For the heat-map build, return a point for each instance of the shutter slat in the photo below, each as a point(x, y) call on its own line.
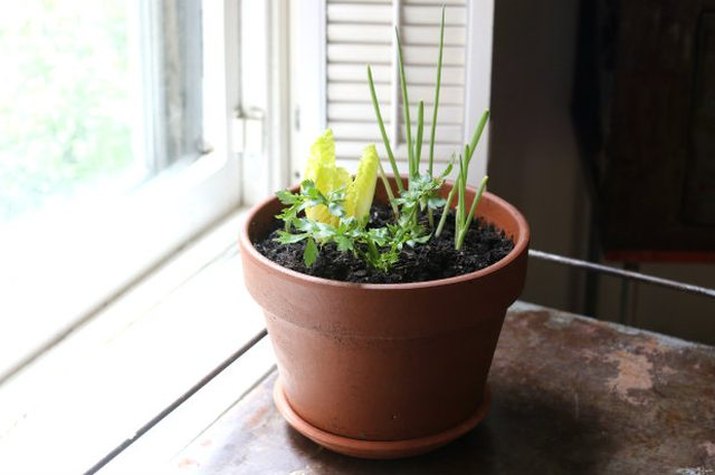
point(427, 55)
point(427, 75)
point(354, 111)
point(360, 92)
point(352, 150)
point(428, 15)
point(378, 54)
point(447, 95)
point(367, 131)
point(360, 33)
point(445, 133)
point(429, 35)
point(446, 115)
point(442, 152)
point(345, 72)
point(337, 2)
point(356, 12)
point(434, 3)
point(417, 75)
point(383, 34)
point(358, 53)
point(352, 92)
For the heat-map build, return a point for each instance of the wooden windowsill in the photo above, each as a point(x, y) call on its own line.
point(84, 396)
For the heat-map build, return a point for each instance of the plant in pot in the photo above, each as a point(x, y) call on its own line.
point(384, 299)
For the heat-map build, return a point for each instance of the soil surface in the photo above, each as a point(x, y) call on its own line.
point(484, 245)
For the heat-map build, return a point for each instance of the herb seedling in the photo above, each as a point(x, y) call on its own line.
point(333, 208)
point(463, 214)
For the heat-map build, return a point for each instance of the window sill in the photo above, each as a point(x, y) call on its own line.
point(133, 359)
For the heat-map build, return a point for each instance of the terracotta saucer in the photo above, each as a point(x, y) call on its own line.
point(377, 449)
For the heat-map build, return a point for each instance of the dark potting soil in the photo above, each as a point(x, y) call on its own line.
point(437, 259)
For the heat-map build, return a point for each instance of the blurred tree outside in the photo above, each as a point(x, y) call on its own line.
point(65, 99)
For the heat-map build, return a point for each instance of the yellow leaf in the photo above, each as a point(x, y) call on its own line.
point(322, 170)
point(361, 191)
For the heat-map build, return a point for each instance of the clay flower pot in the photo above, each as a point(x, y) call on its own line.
point(384, 370)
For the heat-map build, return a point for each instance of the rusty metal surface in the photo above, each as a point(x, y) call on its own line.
point(571, 395)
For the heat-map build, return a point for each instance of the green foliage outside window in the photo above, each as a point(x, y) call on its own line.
point(65, 105)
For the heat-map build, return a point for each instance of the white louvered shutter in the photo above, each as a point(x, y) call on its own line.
point(358, 33)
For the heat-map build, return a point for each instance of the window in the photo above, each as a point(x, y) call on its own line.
point(115, 150)
point(118, 299)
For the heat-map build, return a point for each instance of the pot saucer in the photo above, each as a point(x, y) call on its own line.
point(376, 449)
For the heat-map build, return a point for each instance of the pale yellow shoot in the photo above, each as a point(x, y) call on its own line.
point(361, 191)
point(327, 177)
point(321, 169)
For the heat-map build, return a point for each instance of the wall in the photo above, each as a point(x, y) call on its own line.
point(534, 164)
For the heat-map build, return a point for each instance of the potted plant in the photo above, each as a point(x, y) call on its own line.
point(384, 370)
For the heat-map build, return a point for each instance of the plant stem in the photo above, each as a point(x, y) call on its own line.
point(388, 190)
point(406, 106)
point(472, 146)
point(461, 214)
point(381, 124)
point(436, 95)
point(468, 223)
point(418, 142)
point(445, 210)
point(477, 135)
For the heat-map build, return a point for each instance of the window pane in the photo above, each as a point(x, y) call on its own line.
point(66, 103)
point(95, 97)
point(99, 102)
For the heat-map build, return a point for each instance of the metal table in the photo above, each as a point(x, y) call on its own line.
point(570, 395)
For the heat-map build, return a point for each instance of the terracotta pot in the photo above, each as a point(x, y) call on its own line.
point(384, 370)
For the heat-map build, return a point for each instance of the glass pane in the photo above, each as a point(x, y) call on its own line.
point(66, 102)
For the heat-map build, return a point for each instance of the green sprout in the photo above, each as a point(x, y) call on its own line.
point(332, 208)
point(463, 215)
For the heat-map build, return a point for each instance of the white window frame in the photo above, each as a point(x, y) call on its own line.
point(261, 126)
point(309, 84)
point(68, 267)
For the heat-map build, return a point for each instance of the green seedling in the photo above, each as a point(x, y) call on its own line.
point(332, 207)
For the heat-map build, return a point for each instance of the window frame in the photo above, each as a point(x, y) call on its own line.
point(162, 139)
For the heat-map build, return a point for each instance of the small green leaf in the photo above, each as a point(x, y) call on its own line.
point(305, 225)
point(323, 231)
point(344, 243)
point(436, 202)
point(286, 197)
point(373, 253)
point(378, 235)
point(436, 92)
point(310, 254)
point(448, 169)
point(306, 186)
point(336, 209)
point(422, 239)
point(288, 238)
point(381, 125)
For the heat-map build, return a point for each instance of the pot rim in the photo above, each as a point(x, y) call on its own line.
point(520, 247)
